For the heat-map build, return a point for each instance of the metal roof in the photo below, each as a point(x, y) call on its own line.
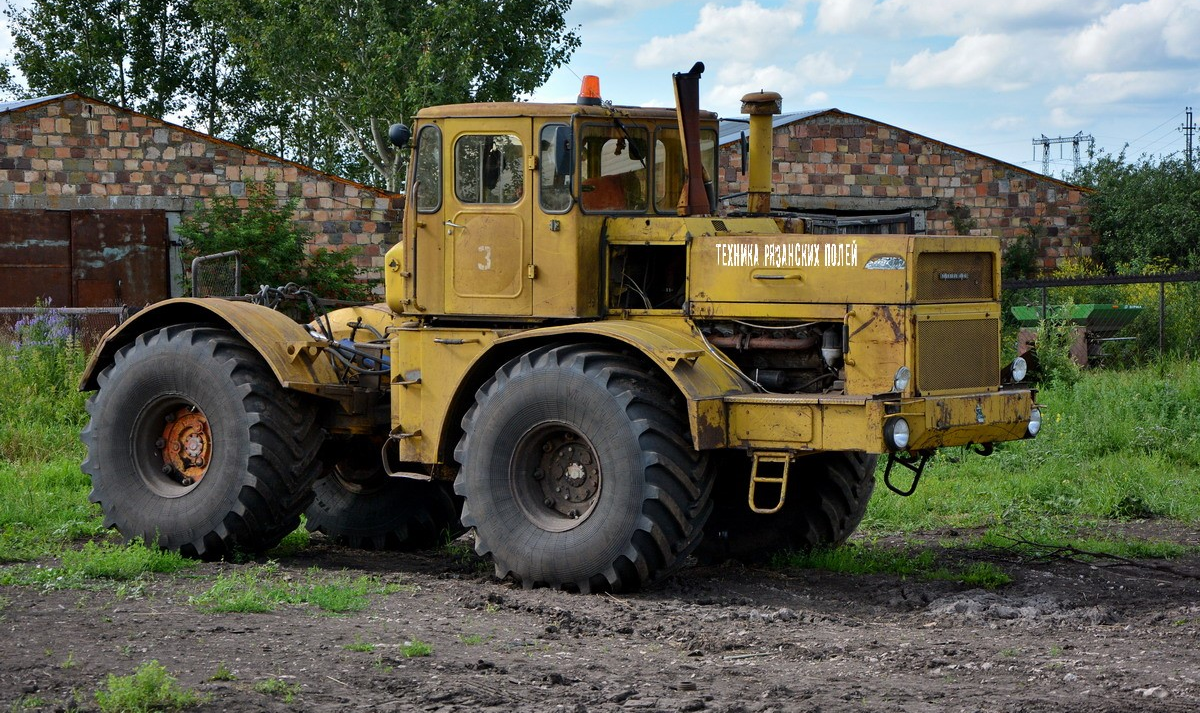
point(15, 105)
point(732, 128)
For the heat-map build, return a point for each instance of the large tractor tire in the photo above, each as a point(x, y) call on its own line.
point(362, 507)
point(195, 447)
point(826, 499)
point(576, 474)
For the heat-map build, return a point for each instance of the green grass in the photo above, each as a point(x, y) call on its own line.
point(278, 688)
point(415, 649)
point(1116, 445)
point(223, 673)
point(260, 589)
point(94, 563)
point(360, 646)
point(149, 688)
point(863, 559)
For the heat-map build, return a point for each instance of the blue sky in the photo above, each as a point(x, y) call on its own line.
point(984, 75)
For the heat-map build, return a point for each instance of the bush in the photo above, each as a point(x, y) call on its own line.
point(273, 247)
point(150, 688)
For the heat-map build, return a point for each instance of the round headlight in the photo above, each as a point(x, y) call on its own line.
point(1035, 422)
point(895, 434)
point(903, 375)
point(1019, 369)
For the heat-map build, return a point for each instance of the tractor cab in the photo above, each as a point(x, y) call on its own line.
point(508, 202)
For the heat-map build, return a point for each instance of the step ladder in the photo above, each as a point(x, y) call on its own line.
point(784, 459)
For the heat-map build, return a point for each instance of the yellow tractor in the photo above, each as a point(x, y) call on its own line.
point(611, 375)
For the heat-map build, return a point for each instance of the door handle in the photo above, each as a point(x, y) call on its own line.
point(452, 224)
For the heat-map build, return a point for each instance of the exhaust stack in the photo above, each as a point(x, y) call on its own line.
point(761, 106)
point(694, 199)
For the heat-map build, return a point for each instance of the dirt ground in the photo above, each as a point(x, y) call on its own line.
point(1064, 636)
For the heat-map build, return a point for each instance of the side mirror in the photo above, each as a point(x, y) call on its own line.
point(399, 134)
point(564, 162)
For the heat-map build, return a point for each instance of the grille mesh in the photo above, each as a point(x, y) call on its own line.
point(957, 354)
point(950, 277)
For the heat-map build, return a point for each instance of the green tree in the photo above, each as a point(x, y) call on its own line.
point(159, 57)
point(274, 248)
point(132, 52)
point(1144, 212)
point(8, 86)
point(365, 63)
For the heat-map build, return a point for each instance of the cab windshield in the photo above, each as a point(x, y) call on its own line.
point(622, 170)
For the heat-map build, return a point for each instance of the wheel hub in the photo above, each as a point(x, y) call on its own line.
point(560, 484)
point(186, 445)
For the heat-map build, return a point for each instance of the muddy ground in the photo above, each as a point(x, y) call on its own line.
point(1064, 636)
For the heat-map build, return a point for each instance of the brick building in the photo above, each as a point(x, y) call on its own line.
point(849, 173)
point(90, 194)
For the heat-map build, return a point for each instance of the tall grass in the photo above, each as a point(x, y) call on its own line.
point(43, 494)
point(1114, 445)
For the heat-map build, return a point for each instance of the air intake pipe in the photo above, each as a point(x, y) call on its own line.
point(761, 106)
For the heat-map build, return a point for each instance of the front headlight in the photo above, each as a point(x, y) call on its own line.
point(895, 434)
point(903, 376)
point(1019, 369)
point(1035, 421)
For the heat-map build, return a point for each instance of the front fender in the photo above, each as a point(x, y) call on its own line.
point(284, 345)
point(682, 356)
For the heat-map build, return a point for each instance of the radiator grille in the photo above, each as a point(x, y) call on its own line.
point(957, 354)
point(950, 277)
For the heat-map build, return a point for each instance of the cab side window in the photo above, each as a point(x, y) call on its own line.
point(489, 168)
point(554, 186)
point(668, 166)
point(427, 173)
point(613, 168)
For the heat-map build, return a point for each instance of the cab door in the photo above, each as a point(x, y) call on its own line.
point(488, 245)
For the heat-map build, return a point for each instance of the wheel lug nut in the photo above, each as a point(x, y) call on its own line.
point(549, 502)
point(546, 448)
point(169, 418)
point(159, 443)
point(538, 474)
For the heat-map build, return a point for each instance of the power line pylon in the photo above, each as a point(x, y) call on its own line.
point(1075, 141)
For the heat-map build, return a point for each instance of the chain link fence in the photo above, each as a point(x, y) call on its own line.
point(82, 325)
point(217, 275)
point(1117, 320)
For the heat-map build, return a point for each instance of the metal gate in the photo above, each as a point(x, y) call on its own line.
point(83, 258)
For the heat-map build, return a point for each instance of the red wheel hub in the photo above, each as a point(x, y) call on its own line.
point(186, 445)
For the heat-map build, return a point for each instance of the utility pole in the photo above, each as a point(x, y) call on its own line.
point(1075, 140)
point(1188, 128)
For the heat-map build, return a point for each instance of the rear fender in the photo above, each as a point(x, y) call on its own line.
point(286, 347)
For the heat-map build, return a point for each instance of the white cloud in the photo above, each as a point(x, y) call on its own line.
point(1061, 118)
point(1005, 123)
point(1104, 88)
point(1182, 31)
point(900, 18)
point(973, 61)
point(1137, 36)
point(747, 31)
point(1124, 38)
point(609, 12)
point(808, 75)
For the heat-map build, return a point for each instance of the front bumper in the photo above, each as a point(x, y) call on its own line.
point(814, 422)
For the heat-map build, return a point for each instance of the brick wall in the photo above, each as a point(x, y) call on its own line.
point(76, 153)
point(834, 154)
